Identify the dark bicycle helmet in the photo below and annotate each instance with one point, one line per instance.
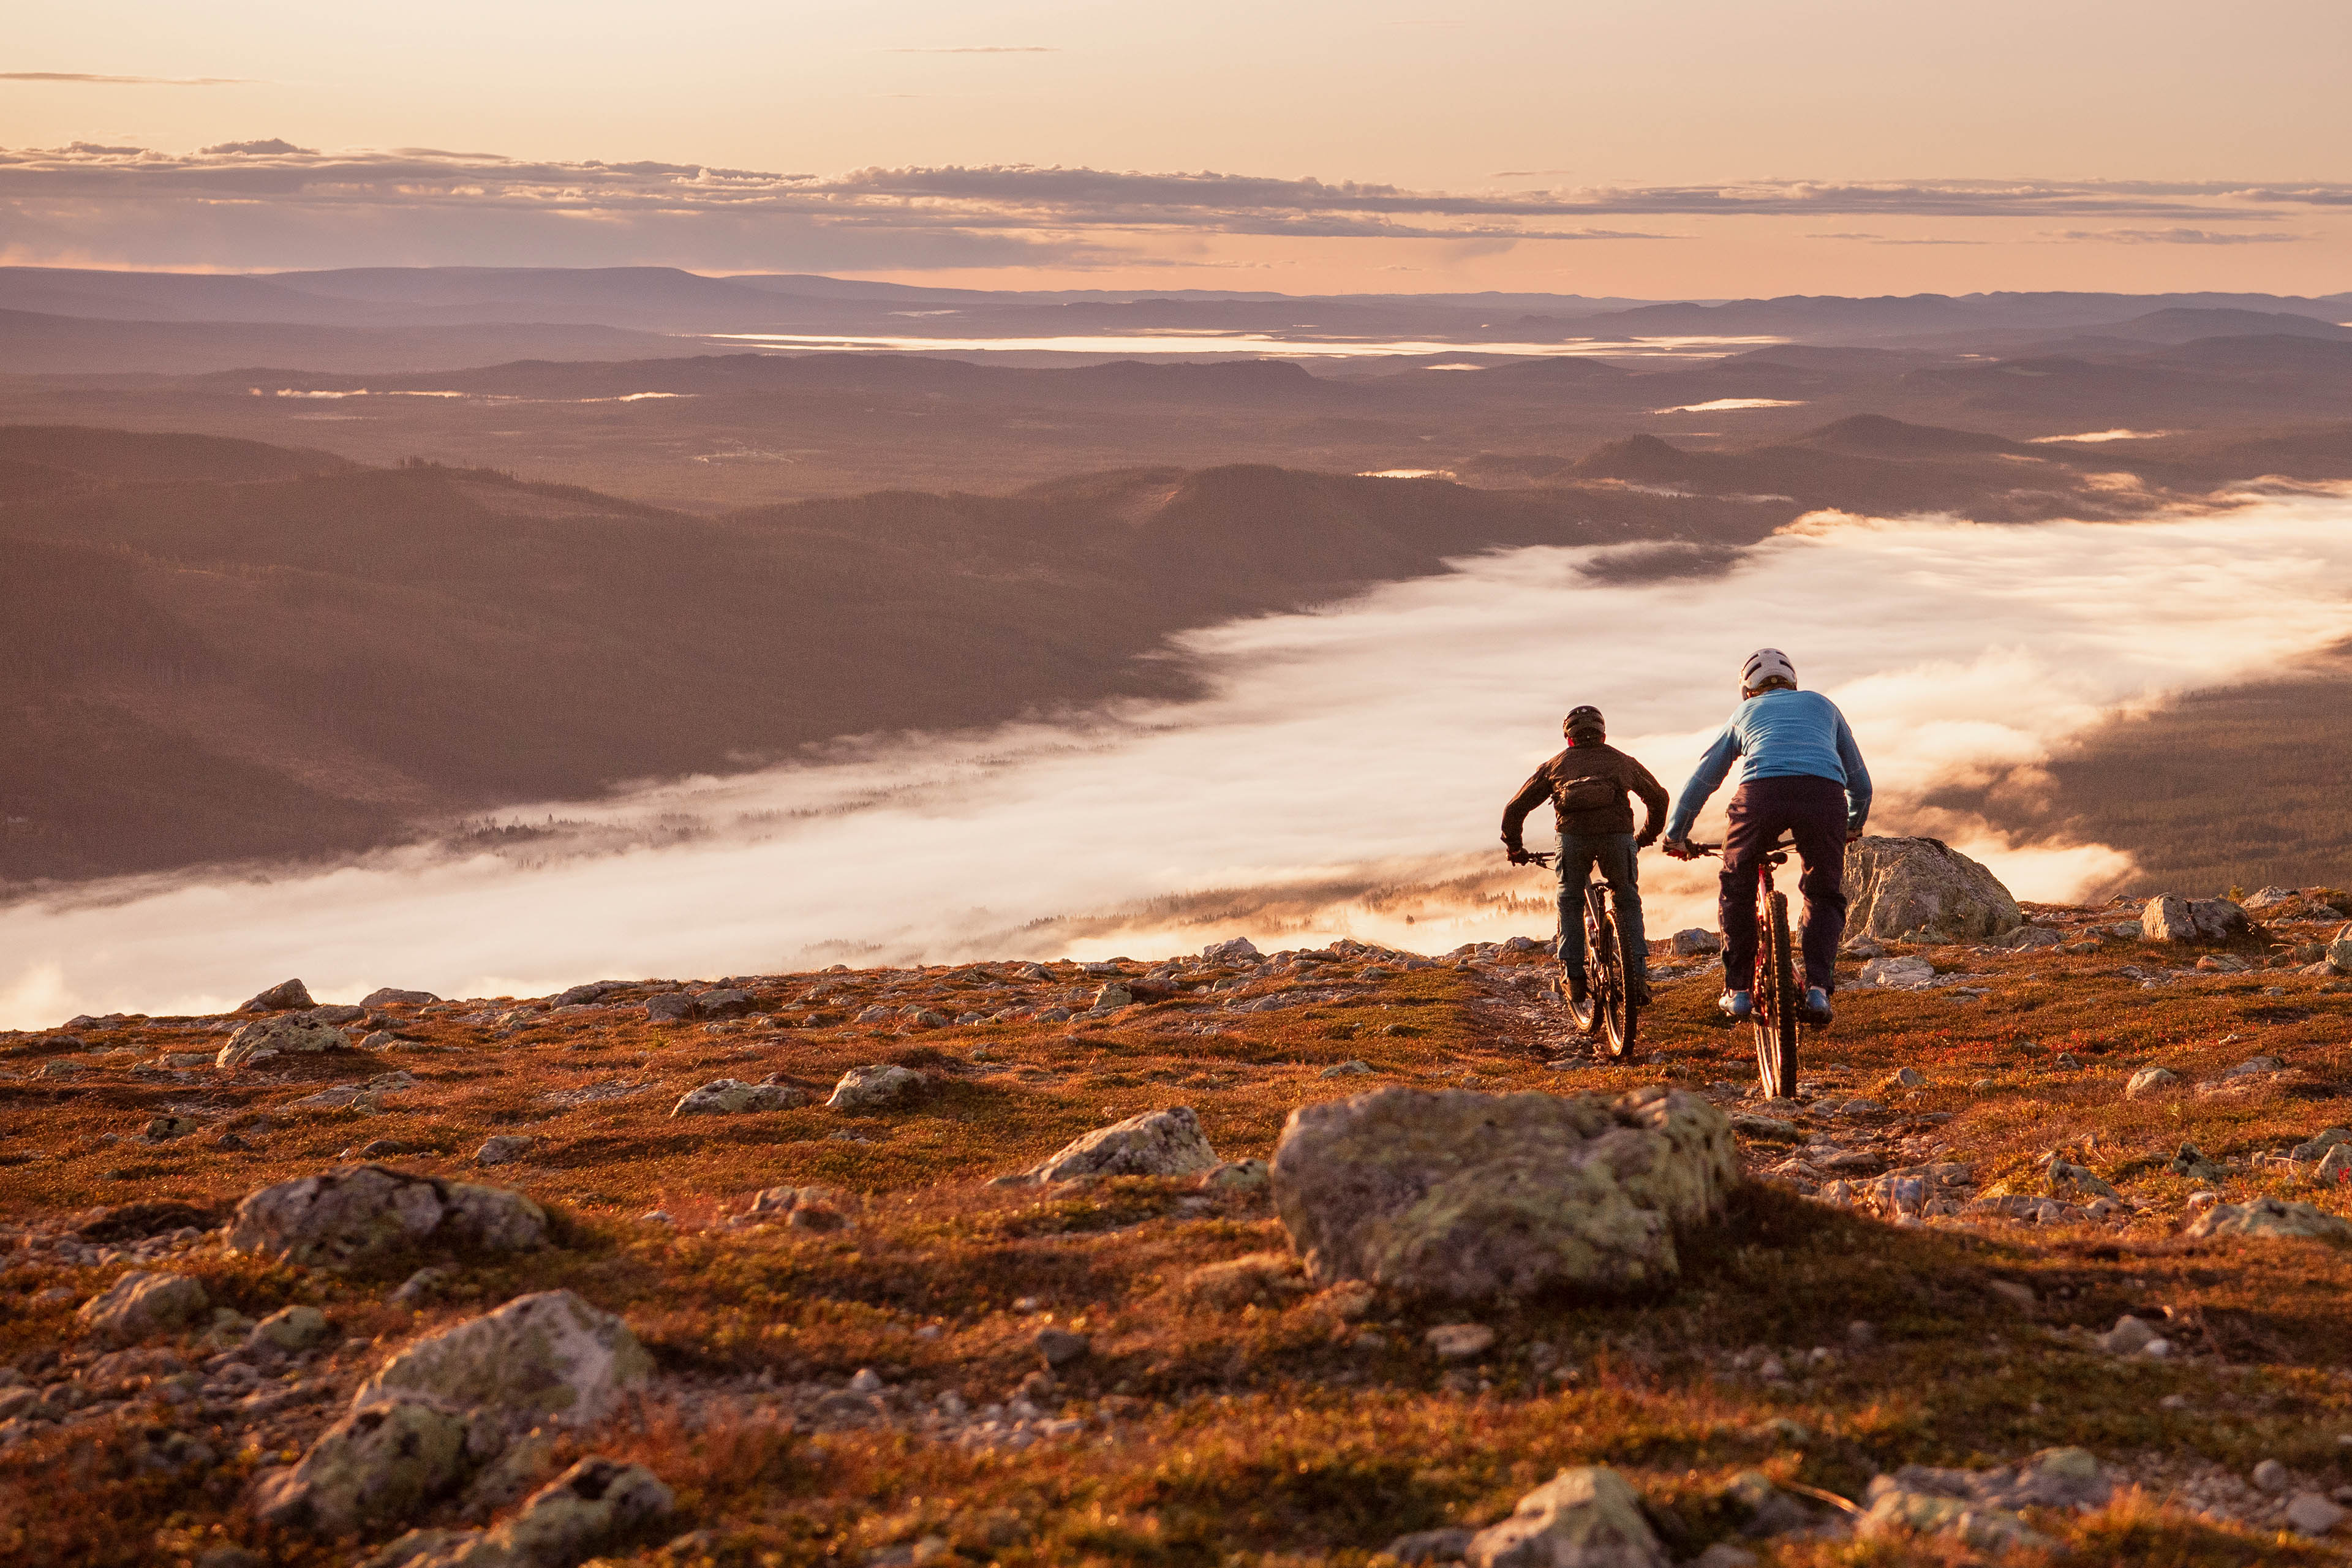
(1584, 721)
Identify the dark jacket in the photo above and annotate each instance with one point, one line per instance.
(1587, 786)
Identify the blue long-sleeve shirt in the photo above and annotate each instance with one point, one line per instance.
(1779, 734)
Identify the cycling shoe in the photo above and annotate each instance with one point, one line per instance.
(1577, 989)
(1816, 1009)
(1739, 1004)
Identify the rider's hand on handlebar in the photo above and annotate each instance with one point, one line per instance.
(1680, 849)
(1519, 854)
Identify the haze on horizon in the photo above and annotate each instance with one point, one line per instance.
(1698, 148)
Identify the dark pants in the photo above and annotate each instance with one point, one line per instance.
(1814, 809)
(1613, 852)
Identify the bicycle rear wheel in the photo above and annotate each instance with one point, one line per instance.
(1776, 1000)
(1613, 990)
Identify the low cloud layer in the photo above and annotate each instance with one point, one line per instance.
(91, 78)
(1346, 774)
(94, 196)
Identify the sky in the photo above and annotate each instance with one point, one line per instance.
(1673, 148)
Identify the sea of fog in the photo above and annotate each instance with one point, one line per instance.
(1174, 340)
(1367, 747)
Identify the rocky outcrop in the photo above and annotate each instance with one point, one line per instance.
(876, 1088)
(1157, 1144)
(2173, 919)
(730, 1097)
(545, 1357)
(377, 1466)
(2270, 1216)
(1235, 950)
(328, 1220)
(1462, 1195)
(140, 1304)
(281, 997)
(1588, 1517)
(391, 996)
(1898, 885)
(596, 1503)
(267, 1038)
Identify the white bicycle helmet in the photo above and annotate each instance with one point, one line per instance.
(1767, 666)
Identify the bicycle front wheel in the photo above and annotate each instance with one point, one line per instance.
(1776, 1000)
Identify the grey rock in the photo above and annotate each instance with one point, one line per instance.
(392, 996)
(503, 1150)
(596, 1503)
(1237, 1174)
(1459, 1342)
(380, 1041)
(1899, 886)
(2033, 936)
(1061, 1348)
(548, 1357)
(724, 1003)
(1345, 1069)
(377, 1466)
(329, 1220)
(733, 1097)
(420, 1285)
(2335, 1167)
(140, 1304)
(280, 997)
(1431, 1546)
(668, 1007)
(1462, 1196)
(2272, 1475)
(167, 1129)
(875, 1087)
(1906, 973)
(2308, 1513)
(1582, 1518)
(267, 1038)
(291, 1331)
(336, 1014)
(803, 1209)
(1112, 994)
(2273, 1218)
(1233, 950)
(2129, 1337)
(2172, 918)
(2192, 1164)
(2149, 1080)
(1692, 943)
(1156, 1143)
(2316, 1146)
(1905, 1078)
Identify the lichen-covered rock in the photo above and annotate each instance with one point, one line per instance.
(2149, 1080)
(1465, 1196)
(2192, 1164)
(503, 1150)
(392, 996)
(1898, 885)
(328, 1220)
(289, 1329)
(267, 1038)
(1905, 973)
(730, 1097)
(670, 1007)
(1588, 1517)
(1235, 950)
(570, 1520)
(876, 1088)
(2270, 1216)
(724, 1002)
(284, 996)
(2170, 918)
(549, 1356)
(377, 1466)
(140, 1304)
(1157, 1144)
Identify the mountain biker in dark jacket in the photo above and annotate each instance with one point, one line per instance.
(1587, 785)
(1800, 772)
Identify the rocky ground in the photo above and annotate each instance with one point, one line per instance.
(830, 1315)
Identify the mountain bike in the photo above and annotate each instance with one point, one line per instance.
(1777, 994)
(1607, 1009)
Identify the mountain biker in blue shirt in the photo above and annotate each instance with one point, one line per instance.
(1800, 772)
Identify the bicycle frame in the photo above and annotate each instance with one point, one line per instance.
(1774, 988)
(1609, 1008)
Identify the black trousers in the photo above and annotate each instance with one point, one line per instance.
(1814, 810)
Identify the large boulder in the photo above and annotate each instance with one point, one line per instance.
(329, 1219)
(392, 996)
(376, 1466)
(545, 1357)
(281, 997)
(140, 1304)
(877, 1088)
(593, 1504)
(1898, 885)
(2170, 918)
(1588, 1517)
(267, 1038)
(1157, 1144)
(1463, 1196)
(1233, 949)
